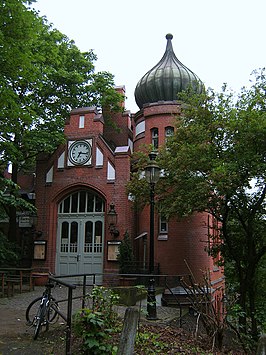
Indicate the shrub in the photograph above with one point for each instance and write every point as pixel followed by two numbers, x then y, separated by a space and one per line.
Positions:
pixel 9 252
pixel 125 257
pixel 95 326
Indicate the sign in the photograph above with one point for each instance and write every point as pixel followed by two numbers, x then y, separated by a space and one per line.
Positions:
pixel 25 221
pixel 113 250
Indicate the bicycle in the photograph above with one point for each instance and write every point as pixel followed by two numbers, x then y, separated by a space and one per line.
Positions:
pixel 42 311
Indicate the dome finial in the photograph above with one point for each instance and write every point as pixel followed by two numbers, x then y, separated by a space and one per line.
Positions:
pixel 169 36
pixel 166 79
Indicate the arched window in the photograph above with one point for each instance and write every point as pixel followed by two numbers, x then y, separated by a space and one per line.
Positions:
pixel 81 202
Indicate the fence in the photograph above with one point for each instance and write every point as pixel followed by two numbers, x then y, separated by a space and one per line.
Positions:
pixel 166 284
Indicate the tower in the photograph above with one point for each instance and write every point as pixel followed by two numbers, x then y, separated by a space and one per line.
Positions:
pixel 179 245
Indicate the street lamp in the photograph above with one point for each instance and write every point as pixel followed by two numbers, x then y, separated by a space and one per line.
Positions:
pixel 152 174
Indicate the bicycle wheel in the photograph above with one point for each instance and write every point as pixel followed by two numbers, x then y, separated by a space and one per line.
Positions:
pixel 38 320
pixel 52 314
pixel 33 309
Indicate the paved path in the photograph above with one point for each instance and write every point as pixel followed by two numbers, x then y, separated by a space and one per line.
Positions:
pixel 12 310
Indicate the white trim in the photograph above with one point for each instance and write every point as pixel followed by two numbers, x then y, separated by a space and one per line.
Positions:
pixel 49 175
pixel 99 157
pixel 110 171
pixel 61 161
pixel 81 121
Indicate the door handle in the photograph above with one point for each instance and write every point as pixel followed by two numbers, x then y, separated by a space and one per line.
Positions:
pixel 78 257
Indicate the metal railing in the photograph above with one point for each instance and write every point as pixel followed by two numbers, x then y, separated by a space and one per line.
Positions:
pixel 151 282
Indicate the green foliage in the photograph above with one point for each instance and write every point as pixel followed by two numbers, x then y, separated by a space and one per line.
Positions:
pixel 9 252
pixel 9 196
pixel 144 339
pixel 103 301
pixel 43 75
pixel 125 257
pixel 138 188
pixel 261 292
pixel 90 326
pixel 95 326
pixel 215 162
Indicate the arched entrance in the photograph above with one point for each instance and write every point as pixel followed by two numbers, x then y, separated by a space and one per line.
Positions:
pixel 80 234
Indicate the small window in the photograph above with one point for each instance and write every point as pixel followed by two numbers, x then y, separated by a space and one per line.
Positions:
pixel 169 132
pixel 163 228
pixel 81 121
pixel 154 138
pixel 99 157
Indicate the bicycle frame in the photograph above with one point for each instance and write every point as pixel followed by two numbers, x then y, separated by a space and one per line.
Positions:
pixel 46 312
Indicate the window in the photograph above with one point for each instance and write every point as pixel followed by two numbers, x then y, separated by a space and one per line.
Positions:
pixel 169 132
pixel 99 157
pixel 49 175
pixel 81 202
pixel 110 171
pixel 140 128
pixel 163 228
pixel 154 138
pixel 81 121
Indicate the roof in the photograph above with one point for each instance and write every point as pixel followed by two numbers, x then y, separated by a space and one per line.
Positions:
pixel 166 79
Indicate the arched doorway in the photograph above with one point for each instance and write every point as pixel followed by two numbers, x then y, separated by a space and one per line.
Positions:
pixel 80 234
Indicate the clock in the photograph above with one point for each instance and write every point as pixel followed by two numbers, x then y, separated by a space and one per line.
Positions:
pixel 79 152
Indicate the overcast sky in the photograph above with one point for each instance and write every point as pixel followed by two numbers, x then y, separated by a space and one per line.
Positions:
pixel 219 40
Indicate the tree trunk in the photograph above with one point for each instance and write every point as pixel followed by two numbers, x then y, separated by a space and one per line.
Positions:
pixel 254 325
pixel 12 228
pixel 252 297
pixel 242 302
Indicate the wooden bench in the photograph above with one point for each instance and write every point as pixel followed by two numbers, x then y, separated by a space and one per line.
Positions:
pixel 11 277
pixel 11 281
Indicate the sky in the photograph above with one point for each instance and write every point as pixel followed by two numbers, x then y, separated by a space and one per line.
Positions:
pixel 222 41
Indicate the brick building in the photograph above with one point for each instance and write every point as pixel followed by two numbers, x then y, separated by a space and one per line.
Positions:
pixel 78 184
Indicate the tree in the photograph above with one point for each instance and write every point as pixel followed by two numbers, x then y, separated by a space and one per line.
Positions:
pixel 43 75
pixel 215 162
pixel 125 257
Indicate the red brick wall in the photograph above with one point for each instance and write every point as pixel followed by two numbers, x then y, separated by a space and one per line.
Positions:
pixel 69 179
pixel 184 251
pixel 185 246
pixel 155 115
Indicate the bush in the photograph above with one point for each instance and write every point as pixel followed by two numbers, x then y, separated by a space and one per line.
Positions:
pixel 9 252
pixel 95 326
pixel 125 257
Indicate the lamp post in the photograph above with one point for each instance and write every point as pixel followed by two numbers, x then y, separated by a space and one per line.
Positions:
pixel 152 174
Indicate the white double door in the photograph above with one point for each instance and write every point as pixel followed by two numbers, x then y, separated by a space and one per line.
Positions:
pixel 80 241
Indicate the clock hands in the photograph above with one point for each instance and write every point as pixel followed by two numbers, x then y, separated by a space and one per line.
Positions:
pixel 81 153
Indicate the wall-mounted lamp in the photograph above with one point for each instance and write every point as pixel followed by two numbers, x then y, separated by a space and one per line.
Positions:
pixel 112 221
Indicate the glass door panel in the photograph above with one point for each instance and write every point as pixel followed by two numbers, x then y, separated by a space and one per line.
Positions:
pixel 73 248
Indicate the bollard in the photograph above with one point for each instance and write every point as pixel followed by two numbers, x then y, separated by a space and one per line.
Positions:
pixel 127 340
pixel 151 301
pixel 262 345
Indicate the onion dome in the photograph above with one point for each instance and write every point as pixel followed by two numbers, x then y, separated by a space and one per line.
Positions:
pixel 166 79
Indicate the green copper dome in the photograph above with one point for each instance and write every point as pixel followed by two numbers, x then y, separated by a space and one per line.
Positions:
pixel 166 79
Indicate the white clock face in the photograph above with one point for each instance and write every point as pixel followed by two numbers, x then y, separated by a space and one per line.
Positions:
pixel 79 152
